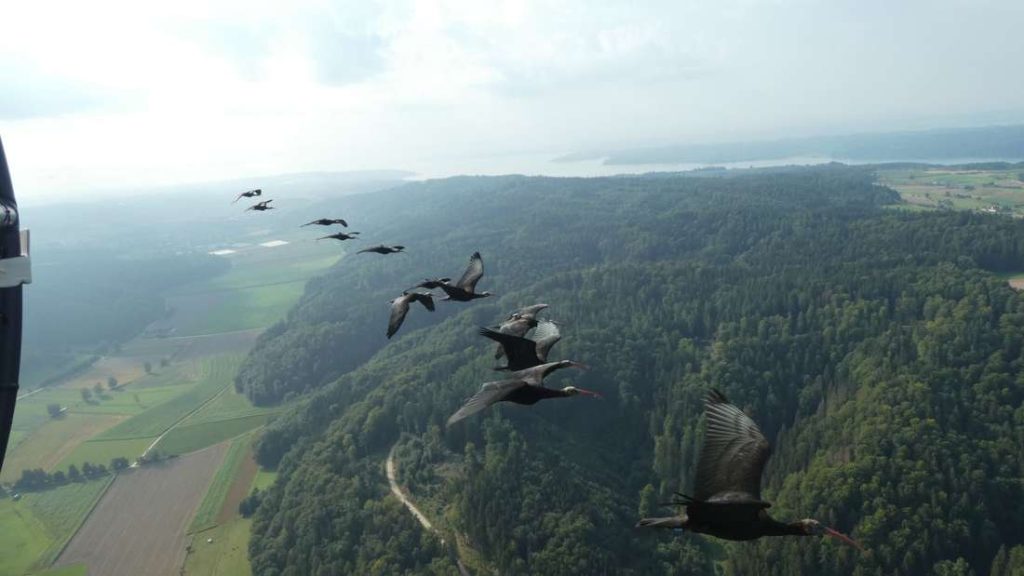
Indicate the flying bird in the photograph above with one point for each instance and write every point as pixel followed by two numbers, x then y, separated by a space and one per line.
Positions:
pixel 727 495
pixel 400 307
pixel 432 283
pixel 465 289
pixel 518 324
pixel 326 222
pixel 248 194
pixel 340 236
pixel 261 206
pixel 523 387
pixel 524 352
pixel 382 249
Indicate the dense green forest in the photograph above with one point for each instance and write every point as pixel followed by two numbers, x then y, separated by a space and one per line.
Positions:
pixel 876 348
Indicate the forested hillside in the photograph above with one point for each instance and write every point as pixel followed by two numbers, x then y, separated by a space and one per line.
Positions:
pixel 876 349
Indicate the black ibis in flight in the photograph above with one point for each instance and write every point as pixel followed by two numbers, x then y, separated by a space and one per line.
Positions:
pixel 340 236
pixel 726 502
pixel 519 323
pixel 465 289
pixel 248 194
pixel 326 222
pixel 382 249
pixel 261 206
pixel 432 283
pixel 524 352
pixel 400 307
pixel 522 387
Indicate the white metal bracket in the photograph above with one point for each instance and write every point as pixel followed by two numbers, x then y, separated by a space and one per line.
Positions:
pixel 17 270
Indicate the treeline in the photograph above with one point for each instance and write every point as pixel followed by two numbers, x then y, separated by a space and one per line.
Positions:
pixel 39 479
pixel 876 349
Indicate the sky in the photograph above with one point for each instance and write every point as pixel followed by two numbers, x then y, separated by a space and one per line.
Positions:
pixel 129 95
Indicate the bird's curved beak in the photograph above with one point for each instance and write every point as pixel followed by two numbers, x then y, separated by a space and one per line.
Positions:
pixel 586 392
pixel 843 538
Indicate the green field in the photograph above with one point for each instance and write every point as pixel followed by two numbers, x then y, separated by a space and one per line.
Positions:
pixel 938 188
pixel 72 570
pixel 103 451
pixel 184 439
pixel 25 538
pixel 228 405
pixel 264 479
pixel 41 441
pixel 216 374
pixel 36 527
pixel 62 510
pixel 53 442
pixel 250 308
pixel 258 289
pixel 227 555
pixel 206 515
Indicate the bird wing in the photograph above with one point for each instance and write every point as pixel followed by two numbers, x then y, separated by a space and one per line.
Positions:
pixel 734 453
pixel 472 274
pixel 342 222
pixel 521 352
pixel 399 308
pixel 370 249
pixel 531 311
pixel 489 393
pixel 546 335
pixel 426 299
pixel 239 197
pixel 517 327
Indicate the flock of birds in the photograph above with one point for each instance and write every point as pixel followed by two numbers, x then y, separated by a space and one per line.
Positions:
pixel 726 502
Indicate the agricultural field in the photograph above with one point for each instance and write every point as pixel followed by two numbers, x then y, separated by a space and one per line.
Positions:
pixel 103 451
pixel 215 374
pixel 53 442
pixel 138 527
pixel 209 510
pixel 218 518
pixel 25 538
pixel 227 555
pixel 36 527
pixel 264 479
pixel 184 439
pixel 940 188
pixel 261 285
pixel 71 570
pixel 184 405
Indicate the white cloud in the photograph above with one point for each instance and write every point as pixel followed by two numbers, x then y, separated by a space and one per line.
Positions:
pixel 118 93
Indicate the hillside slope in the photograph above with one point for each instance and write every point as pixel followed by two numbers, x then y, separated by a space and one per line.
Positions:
pixel 876 349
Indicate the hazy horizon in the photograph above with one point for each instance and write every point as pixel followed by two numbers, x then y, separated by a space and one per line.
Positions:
pixel 114 96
